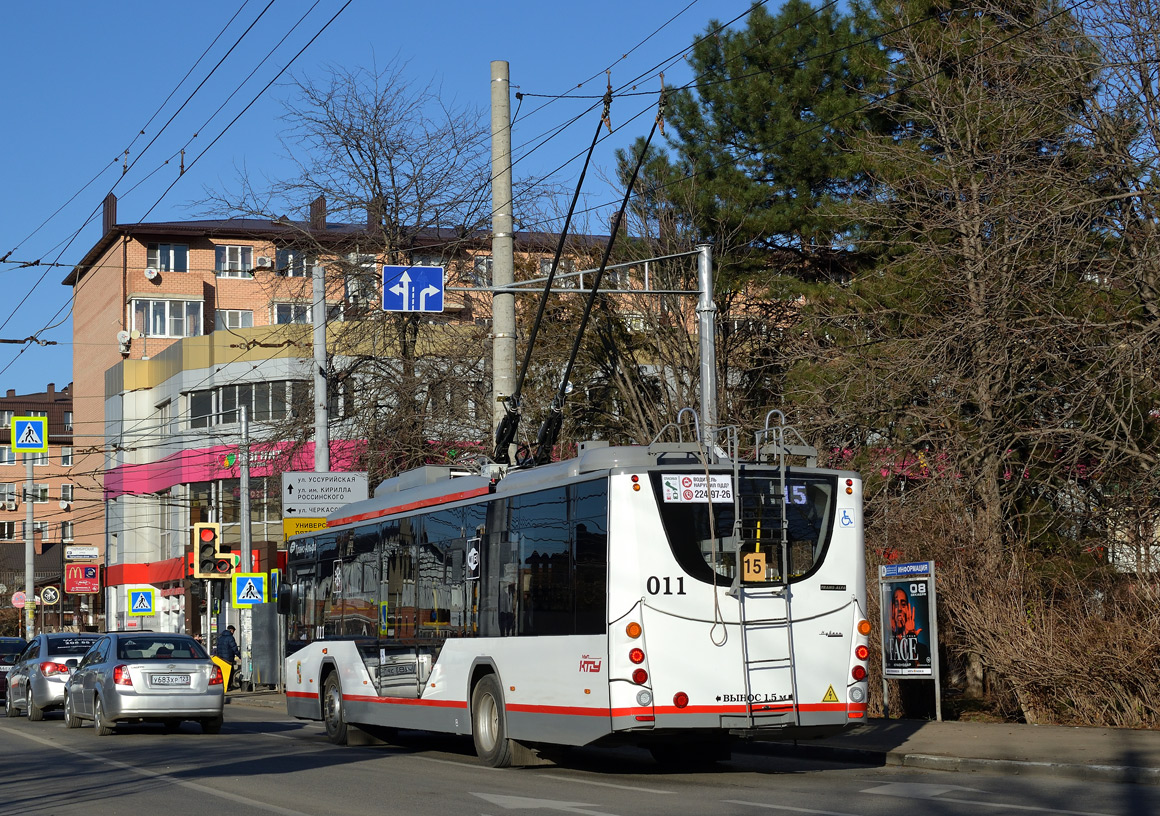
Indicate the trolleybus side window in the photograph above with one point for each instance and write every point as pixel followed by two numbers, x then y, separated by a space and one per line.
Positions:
pixel 359 594
pixel 544 583
pixel 805 500
pixel 588 517
pixel 440 590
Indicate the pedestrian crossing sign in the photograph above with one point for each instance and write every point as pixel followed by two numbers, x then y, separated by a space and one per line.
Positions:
pixel 29 434
pixel 142 601
pixel 249 588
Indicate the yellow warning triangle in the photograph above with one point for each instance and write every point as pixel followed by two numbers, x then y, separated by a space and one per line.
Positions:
pixel 830 696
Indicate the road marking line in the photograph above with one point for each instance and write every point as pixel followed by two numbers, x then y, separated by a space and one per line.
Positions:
pixel 203 789
pixel 787 807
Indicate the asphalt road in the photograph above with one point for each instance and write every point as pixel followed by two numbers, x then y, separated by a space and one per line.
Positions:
pixel 265 763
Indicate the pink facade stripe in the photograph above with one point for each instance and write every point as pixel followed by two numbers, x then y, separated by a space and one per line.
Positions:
pixel 221 462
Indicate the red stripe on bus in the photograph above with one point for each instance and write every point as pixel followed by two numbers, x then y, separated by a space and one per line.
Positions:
pixel 416 505
pixel 305 695
pixel 407 701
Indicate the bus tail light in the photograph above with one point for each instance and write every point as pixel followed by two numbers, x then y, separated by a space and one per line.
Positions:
pixel 636 656
pixel 640 677
pixel 121 676
pixel 861 652
pixel 863 627
pixel 680 699
pixel 633 630
pixel 859 672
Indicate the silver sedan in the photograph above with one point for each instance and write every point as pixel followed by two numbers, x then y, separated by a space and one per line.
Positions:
pixel 145 677
pixel 36 680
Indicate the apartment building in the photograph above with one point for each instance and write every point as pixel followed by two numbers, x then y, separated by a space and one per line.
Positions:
pixel 55 507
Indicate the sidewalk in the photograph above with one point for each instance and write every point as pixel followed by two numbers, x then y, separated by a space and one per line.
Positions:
pixel 1104 754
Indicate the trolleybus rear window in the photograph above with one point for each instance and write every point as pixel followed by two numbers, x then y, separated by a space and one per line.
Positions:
pixel 705 543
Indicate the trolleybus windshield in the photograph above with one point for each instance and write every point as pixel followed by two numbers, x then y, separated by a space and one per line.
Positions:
pixel 805 502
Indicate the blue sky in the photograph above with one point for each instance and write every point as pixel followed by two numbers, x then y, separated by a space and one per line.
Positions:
pixel 83 78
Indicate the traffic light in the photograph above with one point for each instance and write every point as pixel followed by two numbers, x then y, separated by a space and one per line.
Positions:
pixel 227 560
pixel 207 550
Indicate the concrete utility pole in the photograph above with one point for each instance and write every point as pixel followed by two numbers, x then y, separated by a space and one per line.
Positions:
pixel 321 420
pixel 503 309
pixel 707 333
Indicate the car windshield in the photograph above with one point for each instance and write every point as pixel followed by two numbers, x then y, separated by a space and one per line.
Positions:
pixel 8 653
pixel 159 647
pixel 70 645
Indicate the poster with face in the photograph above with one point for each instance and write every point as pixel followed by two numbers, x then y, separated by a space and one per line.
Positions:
pixel 906 628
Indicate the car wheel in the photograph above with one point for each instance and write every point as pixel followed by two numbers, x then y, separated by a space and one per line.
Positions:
pixel 9 706
pixel 35 712
pixel 488 729
pixel 70 718
pixel 332 710
pixel 211 725
pixel 104 727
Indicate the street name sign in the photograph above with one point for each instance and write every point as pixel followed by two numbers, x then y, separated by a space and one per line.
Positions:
pixel 316 495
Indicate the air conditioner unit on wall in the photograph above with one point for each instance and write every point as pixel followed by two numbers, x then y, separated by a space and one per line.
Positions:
pixel 265 260
pixel 9 505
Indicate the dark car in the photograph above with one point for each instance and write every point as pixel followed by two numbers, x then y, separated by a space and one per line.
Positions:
pixel 36 680
pixel 10 649
pixel 145 677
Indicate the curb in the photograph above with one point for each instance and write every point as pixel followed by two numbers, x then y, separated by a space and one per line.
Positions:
pixel 939 762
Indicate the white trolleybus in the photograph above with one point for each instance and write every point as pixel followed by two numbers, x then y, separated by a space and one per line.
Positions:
pixel 660 595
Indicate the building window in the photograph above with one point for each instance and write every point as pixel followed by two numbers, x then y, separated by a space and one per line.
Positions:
pixel 481 270
pixel 7 530
pixel 40 493
pixel 167 318
pixel 38 457
pixel 234 261
pixel 294 264
pixel 292 313
pixel 68 420
pixel 37 527
pixel 264 401
pixel 66 457
pixel 233 319
pixel 7 457
pixel 422 260
pixel 6 418
pixel 566 265
pixel 7 491
pixel 66 531
pixel 168 257
pixel 66 493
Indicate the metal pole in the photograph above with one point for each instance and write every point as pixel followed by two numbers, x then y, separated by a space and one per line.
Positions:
pixel 503 309
pixel 321 420
pixel 707 331
pixel 29 552
pixel 247 564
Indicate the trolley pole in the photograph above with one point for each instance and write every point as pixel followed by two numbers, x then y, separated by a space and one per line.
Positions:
pixel 503 309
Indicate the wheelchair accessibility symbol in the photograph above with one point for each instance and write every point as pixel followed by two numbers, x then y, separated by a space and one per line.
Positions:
pixel 846 519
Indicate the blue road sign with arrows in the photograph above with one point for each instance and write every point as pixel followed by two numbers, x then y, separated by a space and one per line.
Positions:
pixel 412 288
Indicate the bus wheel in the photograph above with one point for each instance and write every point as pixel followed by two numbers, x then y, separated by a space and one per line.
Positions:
pixel 332 710
pixel 487 723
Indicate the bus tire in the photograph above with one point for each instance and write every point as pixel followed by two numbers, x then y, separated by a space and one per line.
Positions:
pixel 488 727
pixel 332 718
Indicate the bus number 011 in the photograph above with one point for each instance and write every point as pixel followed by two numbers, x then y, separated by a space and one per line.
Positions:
pixel 653 585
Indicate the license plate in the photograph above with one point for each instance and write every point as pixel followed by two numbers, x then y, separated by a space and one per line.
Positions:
pixel 171 679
